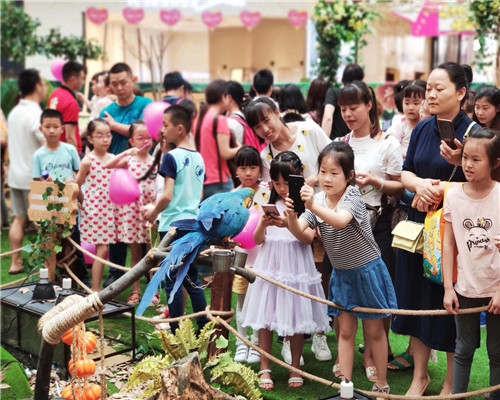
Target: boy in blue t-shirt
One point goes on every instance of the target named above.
(184, 172)
(59, 159)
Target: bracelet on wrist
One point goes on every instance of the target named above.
(382, 182)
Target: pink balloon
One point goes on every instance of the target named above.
(153, 117)
(90, 248)
(123, 188)
(245, 237)
(56, 68)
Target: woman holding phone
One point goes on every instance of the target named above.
(425, 171)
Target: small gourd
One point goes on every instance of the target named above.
(67, 393)
(84, 368)
(93, 392)
(67, 338)
(90, 342)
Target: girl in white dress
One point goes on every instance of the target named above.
(288, 260)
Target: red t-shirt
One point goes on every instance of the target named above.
(208, 148)
(64, 101)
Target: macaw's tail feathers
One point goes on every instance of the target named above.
(184, 250)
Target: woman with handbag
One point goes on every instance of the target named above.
(378, 164)
(425, 171)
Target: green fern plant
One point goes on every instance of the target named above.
(222, 368)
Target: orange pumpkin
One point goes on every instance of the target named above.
(90, 342)
(84, 368)
(67, 393)
(93, 392)
(68, 337)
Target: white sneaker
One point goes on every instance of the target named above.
(253, 356)
(241, 354)
(286, 353)
(320, 348)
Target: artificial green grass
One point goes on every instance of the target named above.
(15, 377)
(399, 381)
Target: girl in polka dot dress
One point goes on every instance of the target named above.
(97, 224)
(131, 226)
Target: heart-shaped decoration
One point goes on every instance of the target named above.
(249, 19)
(211, 20)
(97, 16)
(133, 15)
(297, 18)
(170, 17)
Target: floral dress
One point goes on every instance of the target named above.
(131, 225)
(97, 224)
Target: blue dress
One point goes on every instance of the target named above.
(413, 291)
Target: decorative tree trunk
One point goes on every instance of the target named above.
(185, 381)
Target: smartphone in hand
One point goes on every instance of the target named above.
(447, 132)
(270, 210)
(295, 183)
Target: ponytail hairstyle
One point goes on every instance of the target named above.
(460, 75)
(292, 104)
(358, 92)
(284, 164)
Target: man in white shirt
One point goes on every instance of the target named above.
(25, 138)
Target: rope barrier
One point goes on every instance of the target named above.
(93, 256)
(94, 302)
(8, 253)
(393, 311)
(14, 283)
(336, 385)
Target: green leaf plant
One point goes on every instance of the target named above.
(50, 232)
(223, 370)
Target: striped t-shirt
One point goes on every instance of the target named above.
(350, 247)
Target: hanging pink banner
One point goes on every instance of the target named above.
(212, 20)
(97, 16)
(427, 23)
(250, 19)
(170, 17)
(133, 15)
(297, 18)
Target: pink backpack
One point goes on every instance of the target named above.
(249, 136)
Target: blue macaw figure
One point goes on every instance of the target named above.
(221, 216)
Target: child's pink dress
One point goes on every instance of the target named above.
(131, 225)
(97, 225)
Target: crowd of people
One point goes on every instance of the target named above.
(359, 181)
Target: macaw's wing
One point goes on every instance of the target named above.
(187, 247)
(213, 208)
(232, 223)
(186, 225)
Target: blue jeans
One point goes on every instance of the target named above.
(193, 287)
(468, 339)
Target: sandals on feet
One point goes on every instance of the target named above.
(155, 300)
(295, 382)
(134, 299)
(401, 363)
(265, 383)
(371, 373)
(382, 390)
(336, 370)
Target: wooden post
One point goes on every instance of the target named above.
(222, 286)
